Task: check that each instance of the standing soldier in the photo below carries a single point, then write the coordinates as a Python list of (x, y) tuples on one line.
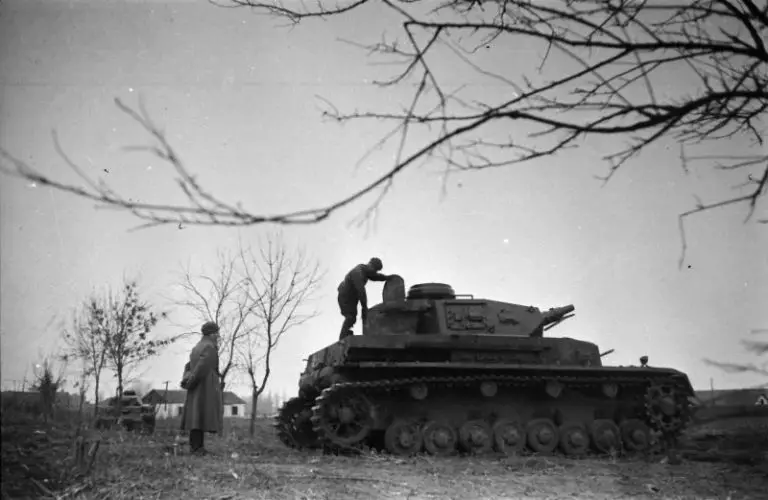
[(352, 291), (202, 409)]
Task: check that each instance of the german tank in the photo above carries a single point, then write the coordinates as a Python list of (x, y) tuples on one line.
[(439, 372)]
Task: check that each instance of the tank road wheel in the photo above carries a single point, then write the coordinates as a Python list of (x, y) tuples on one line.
[(542, 435), (342, 418), (508, 436), (476, 437), (403, 437), (635, 435), (439, 438), (294, 425), (606, 436), (574, 439), (665, 408)]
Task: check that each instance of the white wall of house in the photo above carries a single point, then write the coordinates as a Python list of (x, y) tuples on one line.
[(169, 410), (237, 411), (174, 410)]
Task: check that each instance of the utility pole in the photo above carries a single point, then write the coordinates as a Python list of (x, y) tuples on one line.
[(165, 398)]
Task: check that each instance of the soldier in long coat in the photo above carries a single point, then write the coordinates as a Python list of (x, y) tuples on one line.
[(202, 409)]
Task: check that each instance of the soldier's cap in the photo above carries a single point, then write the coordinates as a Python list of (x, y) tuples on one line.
[(210, 328), (376, 262)]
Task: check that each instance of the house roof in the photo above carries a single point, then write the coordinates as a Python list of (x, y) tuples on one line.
[(180, 396)]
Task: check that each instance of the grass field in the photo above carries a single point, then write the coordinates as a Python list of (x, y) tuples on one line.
[(36, 464)]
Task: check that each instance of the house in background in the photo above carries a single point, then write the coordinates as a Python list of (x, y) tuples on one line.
[(733, 397), (170, 404)]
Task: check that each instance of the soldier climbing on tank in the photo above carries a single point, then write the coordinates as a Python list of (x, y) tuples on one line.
[(352, 291)]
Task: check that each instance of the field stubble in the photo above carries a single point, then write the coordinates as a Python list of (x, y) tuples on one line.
[(36, 465)]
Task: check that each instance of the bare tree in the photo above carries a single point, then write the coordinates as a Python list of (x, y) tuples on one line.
[(603, 63), (221, 296), (280, 285), (85, 341)]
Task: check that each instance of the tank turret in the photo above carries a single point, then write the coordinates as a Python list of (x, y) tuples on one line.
[(435, 308)]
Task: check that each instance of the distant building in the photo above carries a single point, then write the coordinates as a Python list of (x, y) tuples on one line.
[(170, 404), (733, 397)]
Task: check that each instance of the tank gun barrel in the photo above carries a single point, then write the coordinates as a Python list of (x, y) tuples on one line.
[(556, 314)]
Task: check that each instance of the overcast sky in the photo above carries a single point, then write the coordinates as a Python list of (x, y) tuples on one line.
[(237, 97)]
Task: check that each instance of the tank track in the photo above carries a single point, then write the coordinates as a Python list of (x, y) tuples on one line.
[(652, 387)]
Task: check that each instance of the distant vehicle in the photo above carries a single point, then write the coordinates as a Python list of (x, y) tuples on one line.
[(134, 415), (442, 372)]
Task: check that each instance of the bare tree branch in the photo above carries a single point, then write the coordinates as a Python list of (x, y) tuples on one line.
[(759, 348), (603, 75)]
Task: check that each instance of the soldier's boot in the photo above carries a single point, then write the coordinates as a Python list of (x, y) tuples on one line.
[(346, 326)]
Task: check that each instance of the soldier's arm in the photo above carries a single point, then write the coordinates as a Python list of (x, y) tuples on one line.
[(204, 364), (374, 276)]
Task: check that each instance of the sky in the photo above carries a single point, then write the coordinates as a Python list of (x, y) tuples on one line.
[(237, 96)]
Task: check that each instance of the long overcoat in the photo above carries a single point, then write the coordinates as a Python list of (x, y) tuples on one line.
[(202, 409)]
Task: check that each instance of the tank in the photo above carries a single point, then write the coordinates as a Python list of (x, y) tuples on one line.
[(133, 416), (442, 373)]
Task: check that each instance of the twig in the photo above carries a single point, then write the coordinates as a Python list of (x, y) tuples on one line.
[(41, 487)]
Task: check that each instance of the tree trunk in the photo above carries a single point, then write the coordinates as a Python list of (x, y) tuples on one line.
[(222, 384), (254, 398), (96, 397), (80, 406), (119, 401)]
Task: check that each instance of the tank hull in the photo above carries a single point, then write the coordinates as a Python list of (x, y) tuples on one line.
[(435, 393)]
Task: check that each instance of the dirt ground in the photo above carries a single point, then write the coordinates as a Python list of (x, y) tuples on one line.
[(34, 463)]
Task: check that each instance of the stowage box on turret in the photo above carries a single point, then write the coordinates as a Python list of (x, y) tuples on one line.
[(439, 372)]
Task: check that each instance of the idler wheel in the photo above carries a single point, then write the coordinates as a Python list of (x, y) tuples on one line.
[(574, 439), (635, 435), (606, 436), (403, 437), (476, 437), (439, 438), (508, 436), (542, 435)]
